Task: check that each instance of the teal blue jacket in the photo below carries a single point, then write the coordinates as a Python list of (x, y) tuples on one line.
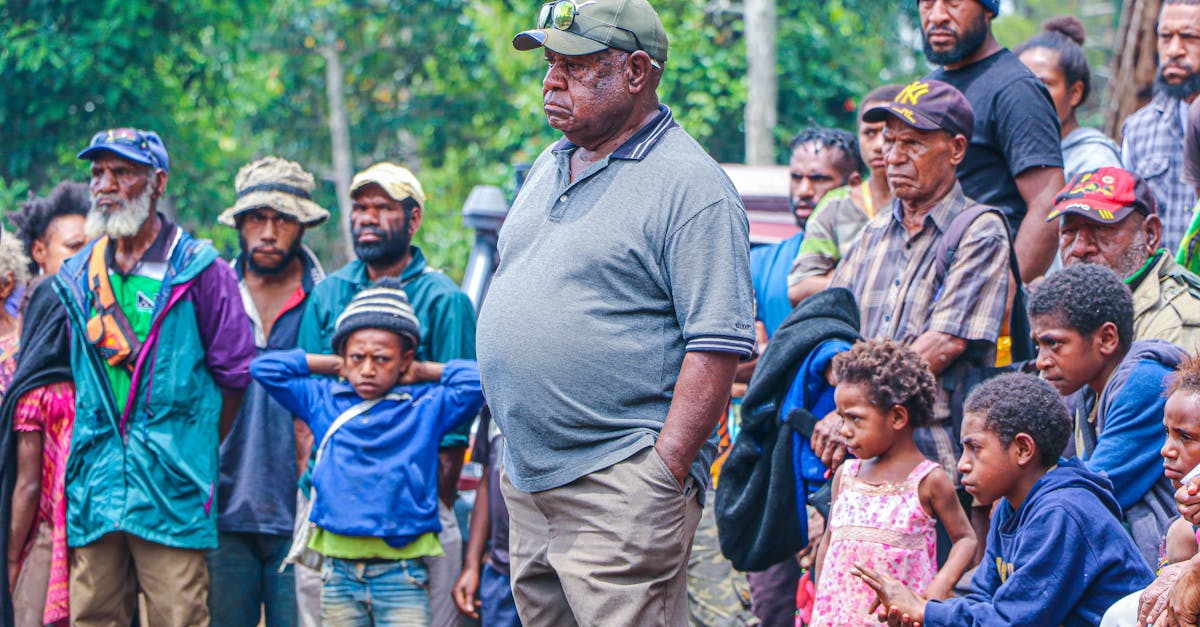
[(152, 470), (446, 315)]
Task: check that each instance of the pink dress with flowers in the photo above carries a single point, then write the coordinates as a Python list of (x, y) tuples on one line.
[(882, 527)]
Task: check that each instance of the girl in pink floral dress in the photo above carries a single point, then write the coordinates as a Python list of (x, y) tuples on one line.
[(888, 500)]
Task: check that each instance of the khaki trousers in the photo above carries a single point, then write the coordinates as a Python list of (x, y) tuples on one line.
[(33, 582), (610, 548), (107, 574)]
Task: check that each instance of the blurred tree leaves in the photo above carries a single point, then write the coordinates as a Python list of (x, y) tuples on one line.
[(433, 84)]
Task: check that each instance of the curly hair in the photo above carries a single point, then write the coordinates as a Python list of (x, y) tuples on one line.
[(1085, 296), (891, 375), (835, 139), (37, 214), (1187, 376), (13, 259), (1016, 403)]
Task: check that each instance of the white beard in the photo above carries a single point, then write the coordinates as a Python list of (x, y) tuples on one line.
[(123, 222)]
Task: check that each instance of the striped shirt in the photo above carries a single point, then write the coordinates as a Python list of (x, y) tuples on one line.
[(893, 276), (1152, 147)]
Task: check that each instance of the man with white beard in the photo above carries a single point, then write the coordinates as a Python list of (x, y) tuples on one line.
[(146, 303)]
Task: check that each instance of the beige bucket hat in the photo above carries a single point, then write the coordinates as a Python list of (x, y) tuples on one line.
[(277, 184)]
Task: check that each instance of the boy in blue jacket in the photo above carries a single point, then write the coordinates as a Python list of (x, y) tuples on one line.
[(374, 513), (1082, 322), (1057, 553)]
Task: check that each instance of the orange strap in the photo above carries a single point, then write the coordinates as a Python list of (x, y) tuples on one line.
[(108, 329)]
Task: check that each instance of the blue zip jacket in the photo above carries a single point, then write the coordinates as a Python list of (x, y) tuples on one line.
[(1061, 559), (378, 474)]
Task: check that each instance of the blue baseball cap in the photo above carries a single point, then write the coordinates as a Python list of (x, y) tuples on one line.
[(139, 146)]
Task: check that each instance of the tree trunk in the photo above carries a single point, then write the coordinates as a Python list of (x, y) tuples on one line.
[(762, 97), (339, 132), (1134, 63)]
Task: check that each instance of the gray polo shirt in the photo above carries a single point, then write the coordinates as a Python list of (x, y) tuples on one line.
[(604, 284)]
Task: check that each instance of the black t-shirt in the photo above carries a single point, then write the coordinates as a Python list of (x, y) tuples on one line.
[(1016, 128)]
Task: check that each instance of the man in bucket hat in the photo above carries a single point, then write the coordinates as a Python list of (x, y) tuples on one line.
[(160, 354), (611, 331), (388, 204), (1109, 217), (256, 499)]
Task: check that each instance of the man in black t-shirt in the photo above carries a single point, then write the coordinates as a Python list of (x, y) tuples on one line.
[(1014, 160)]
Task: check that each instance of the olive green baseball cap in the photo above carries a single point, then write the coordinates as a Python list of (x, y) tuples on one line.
[(577, 28)]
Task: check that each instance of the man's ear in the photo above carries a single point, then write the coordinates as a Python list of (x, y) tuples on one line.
[(854, 179), (8, 283), (1152, 227), (160, 183), (1025, 449), (38, 252), (638, 71), (414, 220), (958, 149)]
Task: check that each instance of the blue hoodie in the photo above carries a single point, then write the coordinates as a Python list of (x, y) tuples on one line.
[(1062, 559), (378, 476), (1123, 439)]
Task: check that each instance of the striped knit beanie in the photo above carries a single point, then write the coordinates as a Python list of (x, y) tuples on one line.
[(381, 306)]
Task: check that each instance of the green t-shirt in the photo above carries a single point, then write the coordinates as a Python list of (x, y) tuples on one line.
[(135, 294), (331, 544)]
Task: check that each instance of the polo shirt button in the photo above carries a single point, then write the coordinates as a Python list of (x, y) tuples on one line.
[(562, 198), (887, 318), (897, 283)]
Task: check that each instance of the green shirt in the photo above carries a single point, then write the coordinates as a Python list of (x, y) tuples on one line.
[(135, 294), (331, 544)]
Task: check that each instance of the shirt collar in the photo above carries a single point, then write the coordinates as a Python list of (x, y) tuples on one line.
[(637, 147), (942, 213)]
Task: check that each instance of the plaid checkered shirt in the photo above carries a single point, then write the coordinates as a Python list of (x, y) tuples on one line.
[(893, 276), (1152, 147)]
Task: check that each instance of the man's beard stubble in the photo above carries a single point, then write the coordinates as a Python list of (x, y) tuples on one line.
[(123, 222), (968, 42), (1179, 91)]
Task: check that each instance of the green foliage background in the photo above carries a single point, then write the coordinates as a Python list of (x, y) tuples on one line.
[(434, 84)]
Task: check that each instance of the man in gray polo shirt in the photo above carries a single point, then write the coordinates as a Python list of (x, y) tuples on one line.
[(612, 329)]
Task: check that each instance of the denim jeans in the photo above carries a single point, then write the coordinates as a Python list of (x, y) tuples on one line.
[(244, 581), (495, 591), (370, 593)]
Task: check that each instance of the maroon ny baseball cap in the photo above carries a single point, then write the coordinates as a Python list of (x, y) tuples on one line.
[(928, 105)]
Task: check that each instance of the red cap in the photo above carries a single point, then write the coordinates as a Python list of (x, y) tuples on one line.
[(1105, 195)]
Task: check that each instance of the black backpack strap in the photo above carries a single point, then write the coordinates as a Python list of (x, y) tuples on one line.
[(948, 246)]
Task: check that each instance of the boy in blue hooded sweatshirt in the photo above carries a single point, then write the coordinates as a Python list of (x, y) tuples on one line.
[(1057, 553), (374, 513), (1082, 322)]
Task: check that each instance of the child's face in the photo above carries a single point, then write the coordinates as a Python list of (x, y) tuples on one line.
[(374, 360), (867, 429), (1067, 359), (1181, 421), (989, 469)]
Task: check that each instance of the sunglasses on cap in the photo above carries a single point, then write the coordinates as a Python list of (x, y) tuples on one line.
[(561, 15), (127, 137)]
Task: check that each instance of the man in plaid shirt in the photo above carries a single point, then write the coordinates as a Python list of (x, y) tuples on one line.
[(954, 320), (1152, 144)]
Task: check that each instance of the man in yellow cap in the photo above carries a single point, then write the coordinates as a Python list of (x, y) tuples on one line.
[(388, 204)]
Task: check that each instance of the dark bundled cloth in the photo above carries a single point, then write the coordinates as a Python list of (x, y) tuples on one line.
[(756, 505), (44, 358)]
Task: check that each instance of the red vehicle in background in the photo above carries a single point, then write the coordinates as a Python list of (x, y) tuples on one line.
[(764, 191)]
